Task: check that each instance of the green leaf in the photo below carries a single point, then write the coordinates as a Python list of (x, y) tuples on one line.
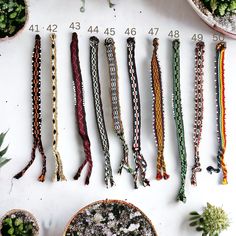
[(199, 229), (13, 15), (3, 161), (3, 152), (213, 5), (194, 223), (18, 222), (194, 213), (222, 8), (11, 231), (2, 135)]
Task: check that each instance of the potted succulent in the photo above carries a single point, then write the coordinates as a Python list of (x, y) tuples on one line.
[(110, 217), (211, 222), (19, 223), (13, 16), (219, 14), (3, 159)]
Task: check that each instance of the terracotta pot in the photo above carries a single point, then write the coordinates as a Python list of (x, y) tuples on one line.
[(109, 202), (212, 21), (22, 28), (24, 212)]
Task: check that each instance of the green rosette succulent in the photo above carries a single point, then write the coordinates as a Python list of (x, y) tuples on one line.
[(15, 226), (211, 222), (13, 16), (220, 7)]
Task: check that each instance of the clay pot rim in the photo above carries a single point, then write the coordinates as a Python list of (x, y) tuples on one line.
[(27, 213), (110, 201), (210, 21), (23, 27)]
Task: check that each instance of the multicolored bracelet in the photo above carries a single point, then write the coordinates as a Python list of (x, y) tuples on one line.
[(178, 116), (140, 163), (158, 112), (80, 109), (36, 105), (220, 106), (58, 173), (115, 102), (94, 41), (198, 89)]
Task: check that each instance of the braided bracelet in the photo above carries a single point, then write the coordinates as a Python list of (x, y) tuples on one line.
[(116, 113), (178, 116), (220, 105), (158, 112), (198, 88), (36, 100), (94, 41), (58, 173), (80, 109), (140, 163)]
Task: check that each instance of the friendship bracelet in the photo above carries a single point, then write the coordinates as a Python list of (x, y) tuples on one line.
[(178, 116), (140, 163), (116, 113), (198, 89), (220, 105), (158, 112), (58, 173), (94, 41), (36, 100), (80, 109)]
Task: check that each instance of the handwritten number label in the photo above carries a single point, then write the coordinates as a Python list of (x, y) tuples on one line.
[(75, 25), (153, 31), (92, 29), (131, 31), (52, 28), (174, 34), (34, 28)]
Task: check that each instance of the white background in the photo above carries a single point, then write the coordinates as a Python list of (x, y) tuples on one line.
[(54, 203)]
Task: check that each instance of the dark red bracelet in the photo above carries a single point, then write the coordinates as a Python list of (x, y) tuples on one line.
[(80, 110)]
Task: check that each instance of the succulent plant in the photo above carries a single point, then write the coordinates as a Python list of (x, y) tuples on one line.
[(3, 160), (211, 222), (220, 7), (12, 17), (16, 226)]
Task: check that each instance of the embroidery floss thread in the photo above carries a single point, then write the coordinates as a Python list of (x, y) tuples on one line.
[(115, 102), (36, 105), (80, 109), (158, 112), (199, 108), (220, 105), (94, 41), (58, 173), (140, 163), (178, 116)]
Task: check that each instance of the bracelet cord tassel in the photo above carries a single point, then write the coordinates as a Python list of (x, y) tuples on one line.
[(158, 112), (178, 116), (80, 109), (220, 106), (199, 108), (94, 41), (115, 101), (58, 173), (140, 163), (36, 105)]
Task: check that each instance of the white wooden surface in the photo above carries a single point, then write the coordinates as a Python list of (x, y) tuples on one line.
[(54, 203)]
